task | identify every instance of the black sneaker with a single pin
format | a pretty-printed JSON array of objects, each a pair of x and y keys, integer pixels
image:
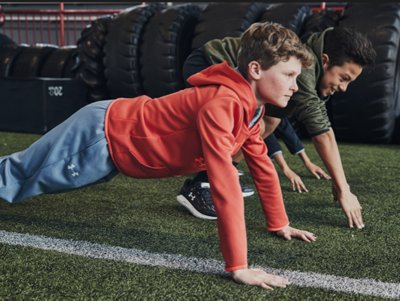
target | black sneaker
[{"x": 196, "y": 197}]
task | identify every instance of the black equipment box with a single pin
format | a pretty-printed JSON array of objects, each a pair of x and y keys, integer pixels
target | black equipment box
[{"x": 37, "y": 105}]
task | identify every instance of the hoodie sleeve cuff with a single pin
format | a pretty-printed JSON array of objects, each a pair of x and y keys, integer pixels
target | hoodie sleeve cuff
[
  {"x": 239, "y": 267},
  {"x": 277, "y": 229}
]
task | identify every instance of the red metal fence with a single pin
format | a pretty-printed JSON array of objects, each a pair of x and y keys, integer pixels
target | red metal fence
[
  {"x": 324, "y": 5},
  {"x": 57, "y": 26}
]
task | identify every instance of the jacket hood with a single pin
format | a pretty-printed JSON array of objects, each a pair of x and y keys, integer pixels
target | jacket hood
[
  {"x": 316, "y": 44},
  {"x": 224, "y": 75}
]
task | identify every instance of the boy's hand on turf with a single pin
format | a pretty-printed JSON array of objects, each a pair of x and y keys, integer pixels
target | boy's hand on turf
[
  {"x": 350, "y": 206},
  {"x": 295, "y": 180},
  {"x": 259, "y": 277},
  {"x": 288, "y": 233},
  {"x": 317, "y": 171}
]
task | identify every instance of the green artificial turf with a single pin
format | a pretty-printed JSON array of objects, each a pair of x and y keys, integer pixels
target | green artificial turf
[
  {"x": 30, "y": 274},
  {"x": 144, "y": 214}
]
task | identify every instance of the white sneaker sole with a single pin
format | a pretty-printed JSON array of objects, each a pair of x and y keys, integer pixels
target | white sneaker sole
[
  {"x": 185, "y": 203},
  {"x": 246, "y": 194}
]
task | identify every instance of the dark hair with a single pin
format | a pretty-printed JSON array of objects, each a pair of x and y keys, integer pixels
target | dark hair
[
  {"x": 269, "y": 43},
  {"x": 343, "y": 44}
]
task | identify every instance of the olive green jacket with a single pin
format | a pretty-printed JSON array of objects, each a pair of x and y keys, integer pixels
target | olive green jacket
[{"x": 306, "y": 105}]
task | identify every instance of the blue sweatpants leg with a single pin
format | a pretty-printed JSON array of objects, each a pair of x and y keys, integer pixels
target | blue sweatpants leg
[{"x": 74, "y": 154}]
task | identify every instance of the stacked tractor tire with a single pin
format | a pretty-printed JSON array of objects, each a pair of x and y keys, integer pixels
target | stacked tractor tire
[
  {"x": 141, "y": 50},
  {"x": 23, "y": 61}
]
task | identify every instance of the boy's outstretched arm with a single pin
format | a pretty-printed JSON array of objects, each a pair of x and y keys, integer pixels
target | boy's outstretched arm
[
  {"x": 328, "y": 150},
  {"x": 259, "y": 277},
  {"x": 267, "y": 183}
]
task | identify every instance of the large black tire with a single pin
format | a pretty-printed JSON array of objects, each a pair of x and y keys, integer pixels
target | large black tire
[
  {"x": 29, "y": 62},
  {"x": 71, "y": 63},
  {"x": 90, "y": 67},
  {"x": 57, "y": 62},
  {"x": 7, "y": 59},
  {"x": 366, "y": 112},
  {"x": 166, "y": 45},
  {"x": 290, "y": 15},
  {"x": 122, "y": 51},
  {"x": 6, "y": 41},
  {"x": 219, "y": 20},
  {"x": 319, "y": 21}
]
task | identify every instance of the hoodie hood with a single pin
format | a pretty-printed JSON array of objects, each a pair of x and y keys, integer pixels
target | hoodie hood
[
  {"x": 224, "y": 75},
  {"x": 315, "y": 44}
]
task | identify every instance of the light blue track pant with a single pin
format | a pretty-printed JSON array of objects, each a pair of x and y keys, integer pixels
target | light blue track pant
[{"x": 74, "y": 154}]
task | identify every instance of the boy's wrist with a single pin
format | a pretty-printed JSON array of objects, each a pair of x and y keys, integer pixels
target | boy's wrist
[
  {"x": 303, "y": 156},
  {"x": 238, "y": 271},
  {"x": 342, "y": 188}
]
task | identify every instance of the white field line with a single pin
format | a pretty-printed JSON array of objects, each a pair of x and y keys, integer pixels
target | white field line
[{"x": 192, "y": 264}]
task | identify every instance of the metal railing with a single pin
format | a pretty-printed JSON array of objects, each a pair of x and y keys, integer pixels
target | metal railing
[
  {"x": 57, "y": 26},
  {"x": 325, "y": 6}
]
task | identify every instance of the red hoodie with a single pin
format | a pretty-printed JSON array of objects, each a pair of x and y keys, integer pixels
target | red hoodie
[{"x": 195, "y": 129}]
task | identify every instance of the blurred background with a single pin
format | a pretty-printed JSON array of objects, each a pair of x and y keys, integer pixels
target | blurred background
[{"x": 57, "y": 57}]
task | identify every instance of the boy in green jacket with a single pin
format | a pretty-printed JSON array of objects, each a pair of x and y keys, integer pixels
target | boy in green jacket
[{"x": 340, "y": 54}]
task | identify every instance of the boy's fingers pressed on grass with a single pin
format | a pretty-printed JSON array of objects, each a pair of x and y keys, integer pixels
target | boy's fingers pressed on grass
[
  {"x": 358, "y": 219},
  {"x": 325, "y": 175},
  {"x": 308, "y": 236},
  {"x": 288, "y": 233},
  {"x": 295, "y": 180},
  {"x": 303, "y": 187},
  {"x": 260, "y": 278},
  {"x": 352, "y": 209},
  {"x": 265, "y": 286},
  {"x": 317, "y": 171},
  {"x": 298, "y": 185}
]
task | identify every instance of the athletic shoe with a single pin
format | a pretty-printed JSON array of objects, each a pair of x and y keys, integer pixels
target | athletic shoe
[
  {"x": 246, "y": 190},
  {"x": 196, "y": 197}
]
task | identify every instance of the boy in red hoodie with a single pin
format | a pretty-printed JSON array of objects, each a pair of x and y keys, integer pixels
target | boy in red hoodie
[{"x": 143, "y": 137}]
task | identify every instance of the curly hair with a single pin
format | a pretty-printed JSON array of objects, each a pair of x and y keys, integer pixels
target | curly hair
[{"x": 270, "y": 43}]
